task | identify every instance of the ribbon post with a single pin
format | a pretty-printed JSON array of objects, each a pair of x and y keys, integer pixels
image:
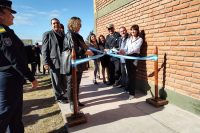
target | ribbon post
[
  {"x": 156, "y": 100},
  {"x": 77, "y": 117}
]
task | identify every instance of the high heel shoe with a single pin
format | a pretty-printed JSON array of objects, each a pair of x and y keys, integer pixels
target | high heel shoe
[{"x": 95, "y": 82}]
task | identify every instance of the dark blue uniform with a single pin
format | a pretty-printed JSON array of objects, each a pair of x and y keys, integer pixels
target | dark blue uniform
[{"x": 13, "y": 71}]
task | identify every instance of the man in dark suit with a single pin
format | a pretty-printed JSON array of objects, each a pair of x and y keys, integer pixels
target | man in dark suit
[
  {"x": 37, "y": 56},
  {"x": 30, "y": 51},
  {"x": 52, "y": 46}
]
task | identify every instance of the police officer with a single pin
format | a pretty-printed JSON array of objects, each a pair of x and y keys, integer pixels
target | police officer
[{"x": 13, "y": 70}]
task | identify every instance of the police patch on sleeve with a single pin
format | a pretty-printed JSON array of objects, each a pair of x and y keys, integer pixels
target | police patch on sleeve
[{"x": 7, "y": 41}]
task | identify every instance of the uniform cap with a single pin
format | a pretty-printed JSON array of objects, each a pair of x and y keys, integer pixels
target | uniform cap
[
  {"x": 7, "y": 4},
  {"x": 110, "y": 26}
]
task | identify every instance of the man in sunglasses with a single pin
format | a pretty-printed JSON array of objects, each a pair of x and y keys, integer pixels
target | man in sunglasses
[{"x": 114, "y": 64}]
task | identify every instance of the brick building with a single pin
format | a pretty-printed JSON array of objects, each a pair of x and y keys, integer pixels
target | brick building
[{"x": 173, "y": 26}]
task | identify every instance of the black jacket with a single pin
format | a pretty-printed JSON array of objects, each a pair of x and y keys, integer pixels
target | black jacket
[
  {"x": 75, "y": 40},
  {"x": 112, "y": 41},
  {"x": 72, "y": 40},
  {"x": 31, "y": 55},
  {"x": 13, "y": 57}
]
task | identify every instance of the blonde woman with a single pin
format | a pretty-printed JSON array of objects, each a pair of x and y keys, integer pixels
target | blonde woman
[{"x": 74, "y": 40}]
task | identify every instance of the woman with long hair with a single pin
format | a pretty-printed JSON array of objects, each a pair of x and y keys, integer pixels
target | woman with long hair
[
  {"x": 105, "y": 59},
  {"x": 93, "y": 43}
]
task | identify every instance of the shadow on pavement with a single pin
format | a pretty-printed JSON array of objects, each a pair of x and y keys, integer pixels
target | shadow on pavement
[{"x": 123, "y": 111}]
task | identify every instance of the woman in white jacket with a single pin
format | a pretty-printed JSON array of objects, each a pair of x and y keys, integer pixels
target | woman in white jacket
[{"x": 132, "y": 48}]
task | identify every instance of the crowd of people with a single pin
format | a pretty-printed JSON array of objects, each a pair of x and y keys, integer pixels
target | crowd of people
[
  {"x": 56, "y": 57},
  {"x": 118, "y": 68},
  {"x": 121, "y": 73}
]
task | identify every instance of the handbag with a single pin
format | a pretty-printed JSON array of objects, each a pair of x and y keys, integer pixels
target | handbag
[{"x": 65, "y": 65}]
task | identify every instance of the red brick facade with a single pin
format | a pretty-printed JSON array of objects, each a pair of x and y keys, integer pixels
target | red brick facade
[{"x": 173, "y": 26}]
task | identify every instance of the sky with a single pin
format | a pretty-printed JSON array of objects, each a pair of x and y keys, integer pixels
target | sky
[{"x": 33, "y": 16}]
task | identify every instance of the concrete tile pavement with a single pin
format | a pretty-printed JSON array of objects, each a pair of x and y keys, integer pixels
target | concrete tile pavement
[{"x": 108, "y": 110}]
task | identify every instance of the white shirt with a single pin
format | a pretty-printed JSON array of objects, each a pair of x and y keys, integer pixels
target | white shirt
[
  {"x": 133, "y": 45},
  {"x": 122, "y": 45}
]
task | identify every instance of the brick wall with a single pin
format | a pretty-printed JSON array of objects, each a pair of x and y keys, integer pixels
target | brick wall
[{"x": 173, "y": 26}]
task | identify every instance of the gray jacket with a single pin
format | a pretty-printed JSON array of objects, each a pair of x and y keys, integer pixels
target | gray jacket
[{"x": 50, "y": 50}]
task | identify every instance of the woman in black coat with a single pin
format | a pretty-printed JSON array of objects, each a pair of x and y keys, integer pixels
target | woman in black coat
[{"x": 74, "y": 40}]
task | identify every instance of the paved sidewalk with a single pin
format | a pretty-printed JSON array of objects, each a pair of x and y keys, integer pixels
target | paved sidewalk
[{"x": 108, "y": 111}]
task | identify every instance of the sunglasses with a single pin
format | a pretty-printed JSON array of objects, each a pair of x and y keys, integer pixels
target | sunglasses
[{"x": 110, "y": 28}]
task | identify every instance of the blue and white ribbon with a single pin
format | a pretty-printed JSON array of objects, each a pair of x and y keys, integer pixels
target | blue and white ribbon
[
  {"x": 80, "y": 61},
  {"x": 111, "y": 53}
]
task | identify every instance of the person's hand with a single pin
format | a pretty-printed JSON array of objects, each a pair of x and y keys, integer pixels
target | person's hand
[
  {"x": 106, "y": 50},
  {"x": 34, "y": 84},
  {"x": 122, "y": 52},
  {"x": 46, "y": 67},
  {"x": 89, "y": 53}
]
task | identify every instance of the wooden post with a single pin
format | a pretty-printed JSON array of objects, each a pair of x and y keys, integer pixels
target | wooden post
[
  {"x": 77, "y": 117},
  {"x": 156, "y": 73},
  {"x": 74, "y": 84},
  {"x": 156, "y": 100}
]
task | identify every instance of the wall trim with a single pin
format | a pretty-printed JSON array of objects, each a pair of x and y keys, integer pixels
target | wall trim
[{"x": 110, "y": 7}]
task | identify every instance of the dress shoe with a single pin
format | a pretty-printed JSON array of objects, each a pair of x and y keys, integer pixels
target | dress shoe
[
  {"x": 120, "y": 86},
  {"x": 109, "y": 83},
  {"x": 81, "y": 104},
  {"x": 115, "y": 85},
  {"x": 63, "y": 101},
  {"x": 125, "y": 90},
  {"x": 95, "y": 82},
  {"x": 64, "y": 98}
]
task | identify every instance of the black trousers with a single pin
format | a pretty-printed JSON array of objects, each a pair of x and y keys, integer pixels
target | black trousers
[
  {"x": 131, "y": 70},
  {"x": 114, "y": 70},
  {"x": 11, "y": 102},
  {"x": 33, "y": 67},
  {"x": 123, "y": 74},
  {"x": 70, "y": 85},
  {"x": 38, "y": 63}
]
